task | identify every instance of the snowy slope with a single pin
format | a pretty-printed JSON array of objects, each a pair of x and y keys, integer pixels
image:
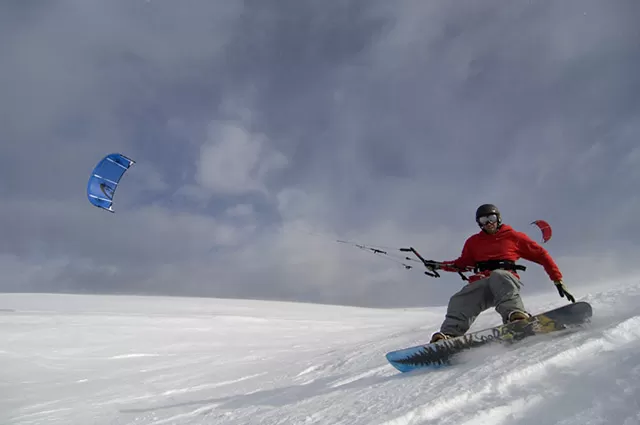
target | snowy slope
[{"x": 75, "y": 359}]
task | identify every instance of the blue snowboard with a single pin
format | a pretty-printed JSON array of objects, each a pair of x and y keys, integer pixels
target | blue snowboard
[{"x": 441, "y": 353}]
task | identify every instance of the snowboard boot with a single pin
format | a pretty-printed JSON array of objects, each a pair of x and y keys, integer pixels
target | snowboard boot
[
  {"x": 516, "y": 315},
  {"x": 438, "y": 336}
]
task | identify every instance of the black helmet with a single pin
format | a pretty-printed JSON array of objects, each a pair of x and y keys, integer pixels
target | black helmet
[{"x": 486, "y": 209}]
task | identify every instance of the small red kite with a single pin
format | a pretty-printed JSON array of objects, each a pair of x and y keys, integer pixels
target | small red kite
[{"x": 545, "y": 228}]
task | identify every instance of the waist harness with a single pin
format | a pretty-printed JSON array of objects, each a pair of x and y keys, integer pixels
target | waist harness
[{"x": 490, "y": 265}]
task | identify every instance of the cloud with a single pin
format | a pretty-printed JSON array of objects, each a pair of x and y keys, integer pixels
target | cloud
[
  {"x": 234, "y": 160},
  {"x": 241, "y": 210}
]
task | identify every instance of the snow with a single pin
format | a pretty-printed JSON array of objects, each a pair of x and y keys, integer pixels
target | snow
[{"x": 89, "y": 359}]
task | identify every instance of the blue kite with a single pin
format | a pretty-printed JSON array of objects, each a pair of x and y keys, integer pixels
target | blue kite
[{"x": 105, "y": 178}]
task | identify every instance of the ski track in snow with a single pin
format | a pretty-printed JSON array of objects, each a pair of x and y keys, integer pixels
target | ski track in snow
[{"x": 194, "y": 361}]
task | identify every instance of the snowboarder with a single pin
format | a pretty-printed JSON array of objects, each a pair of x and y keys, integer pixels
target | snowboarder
[{"x": 492, "y": 254}]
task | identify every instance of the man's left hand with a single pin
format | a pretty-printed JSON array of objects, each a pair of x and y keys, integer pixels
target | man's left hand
[{"x": 562, "y": 290}]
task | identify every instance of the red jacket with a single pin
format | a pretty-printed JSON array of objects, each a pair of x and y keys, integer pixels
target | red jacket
[{"x": 505, "y": 244}]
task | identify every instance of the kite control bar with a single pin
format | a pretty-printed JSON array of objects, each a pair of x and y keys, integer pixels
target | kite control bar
[{"x": 431, "y": 265}]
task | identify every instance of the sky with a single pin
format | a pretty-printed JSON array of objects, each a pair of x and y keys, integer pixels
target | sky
[{"x": 263, "y": 131}]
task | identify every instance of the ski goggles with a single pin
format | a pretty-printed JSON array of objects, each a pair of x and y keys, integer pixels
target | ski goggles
[{"x": 491, "y": 218}]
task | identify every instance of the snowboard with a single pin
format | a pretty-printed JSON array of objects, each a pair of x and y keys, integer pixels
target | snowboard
[{"x": 441, "y": 353}]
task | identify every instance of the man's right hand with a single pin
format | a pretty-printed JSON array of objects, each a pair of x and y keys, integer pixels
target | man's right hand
[{"x": 433, "y": 265}]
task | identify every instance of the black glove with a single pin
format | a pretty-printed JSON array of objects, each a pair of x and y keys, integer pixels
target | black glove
[
  {"x": 433, "y": 265},
  {"x": 562, "y": 290}
]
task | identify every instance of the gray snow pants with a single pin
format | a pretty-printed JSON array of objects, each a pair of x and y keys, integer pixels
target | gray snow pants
[{"x": 500, "y": 290}]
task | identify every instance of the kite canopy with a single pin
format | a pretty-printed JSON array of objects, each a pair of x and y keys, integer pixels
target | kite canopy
[
  {"x": 545, "y": 228},
  {"x": 105, "y": 178}
]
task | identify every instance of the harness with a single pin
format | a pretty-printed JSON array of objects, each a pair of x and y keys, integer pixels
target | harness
[{"x": 491, "y": 265}]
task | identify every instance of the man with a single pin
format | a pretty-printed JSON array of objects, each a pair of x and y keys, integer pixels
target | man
[{"x": 492, "y": 254}]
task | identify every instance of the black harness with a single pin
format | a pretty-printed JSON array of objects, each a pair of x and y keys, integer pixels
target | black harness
[{"x": 491, "y": 265}]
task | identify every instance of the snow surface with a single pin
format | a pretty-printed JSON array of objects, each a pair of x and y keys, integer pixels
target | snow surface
[{"x": 82, "y": 359}]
